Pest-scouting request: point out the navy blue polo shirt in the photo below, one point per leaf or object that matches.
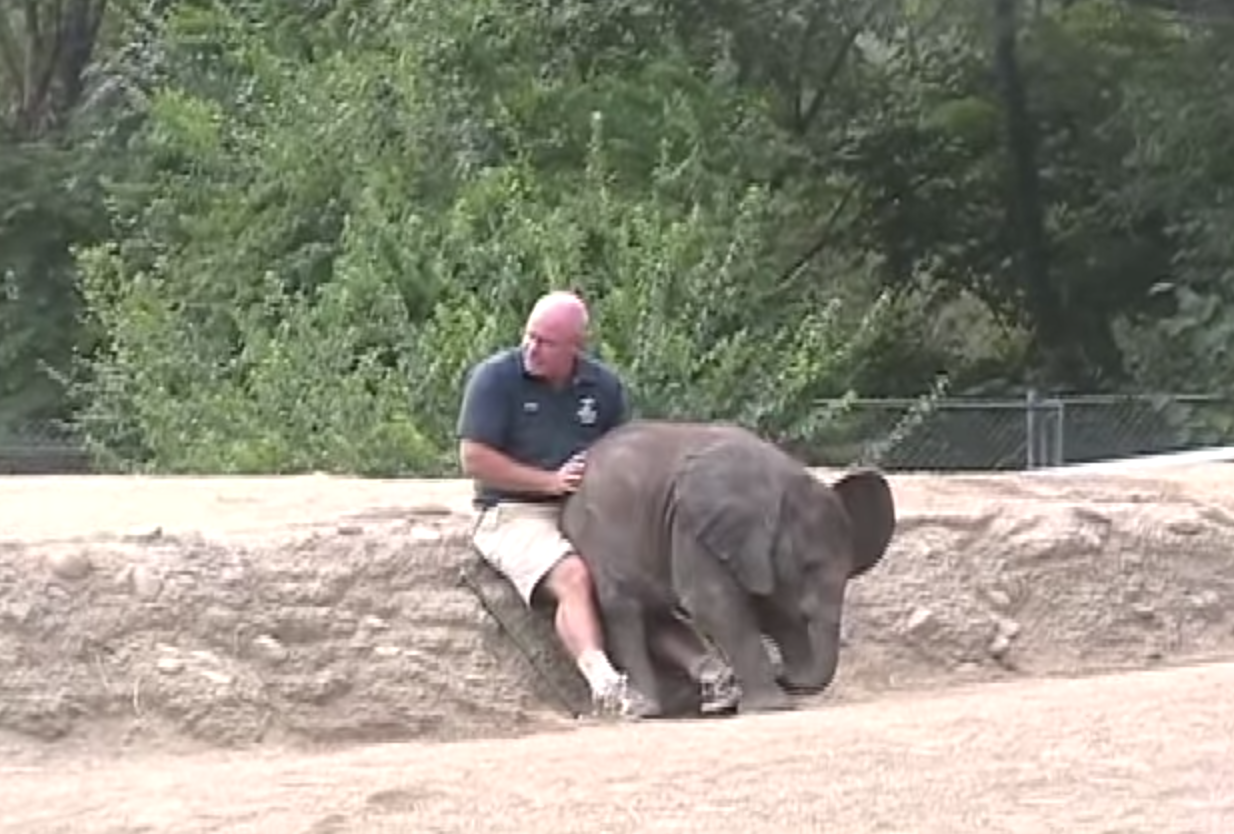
(533, 422)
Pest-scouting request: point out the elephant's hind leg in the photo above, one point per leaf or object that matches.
(627, 640)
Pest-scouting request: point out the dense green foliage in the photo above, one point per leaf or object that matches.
(240, 236)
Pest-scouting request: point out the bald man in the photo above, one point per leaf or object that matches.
(528, 415)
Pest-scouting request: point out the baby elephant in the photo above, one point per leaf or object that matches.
(715, 520)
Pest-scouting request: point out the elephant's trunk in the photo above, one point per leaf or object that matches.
(825, 648)
(810, 669)
(811, 649)
(806, 658)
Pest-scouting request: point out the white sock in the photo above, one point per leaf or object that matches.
(597, 670)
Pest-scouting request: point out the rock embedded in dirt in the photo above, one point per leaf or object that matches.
(422, 534)
(71, 564)
(846, 632)
(371, 622)
(999, 598)
(216, 677)
(999, 646)
(145, 582)
(1186, 527)
(269, 649)
(343, 625)
(17, 612)
(920, 622)
(1005, 632)
(432, 511)
(233, 576)
(317, 689)
(1007, 626)
(143, 535)
(303, 624)
(1207, 604)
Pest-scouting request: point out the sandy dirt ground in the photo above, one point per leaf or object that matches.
(298, 656)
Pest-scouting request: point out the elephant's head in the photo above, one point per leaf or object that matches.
(792, 541)
(830, 535)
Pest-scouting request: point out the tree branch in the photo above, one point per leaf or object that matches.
(45, 48)
(786, 280)
(9, 56)
(832, 71)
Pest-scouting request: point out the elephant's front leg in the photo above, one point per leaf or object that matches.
(676, 642)
(719, 605)
(626, 639)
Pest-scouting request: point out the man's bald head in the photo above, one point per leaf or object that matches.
(560, 310)
(555, 332)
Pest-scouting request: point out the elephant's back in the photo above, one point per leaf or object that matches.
(656, 447)
(617, 518)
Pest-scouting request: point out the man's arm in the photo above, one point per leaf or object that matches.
(486, 464)
(482, 427)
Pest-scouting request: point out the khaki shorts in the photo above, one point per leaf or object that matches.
(522, 542)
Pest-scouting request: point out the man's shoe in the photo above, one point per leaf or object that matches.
(621, 700)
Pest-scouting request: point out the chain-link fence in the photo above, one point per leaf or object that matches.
(40, 449)
(1010, 434)
(896, 434)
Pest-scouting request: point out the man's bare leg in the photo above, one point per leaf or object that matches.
(578, 627)
(578, 624)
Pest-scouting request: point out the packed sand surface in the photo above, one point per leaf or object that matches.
(218, 654)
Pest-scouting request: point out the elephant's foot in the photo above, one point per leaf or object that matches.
(796, 687)
(720, 693)
(639, 706)
(771, 699)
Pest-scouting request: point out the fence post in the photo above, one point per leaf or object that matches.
(1060, 435)
(1030, 428)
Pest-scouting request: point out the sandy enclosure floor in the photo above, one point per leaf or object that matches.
(1083, 755)
(297, 656)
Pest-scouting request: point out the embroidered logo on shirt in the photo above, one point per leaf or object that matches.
(587, 411)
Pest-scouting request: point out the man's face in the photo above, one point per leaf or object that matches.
(549, 349)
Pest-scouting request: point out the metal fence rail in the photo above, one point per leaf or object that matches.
(897, 434)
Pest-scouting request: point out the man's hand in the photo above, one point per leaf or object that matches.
(567, 478)
(494, 468)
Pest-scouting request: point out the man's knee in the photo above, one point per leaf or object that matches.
(568, 579)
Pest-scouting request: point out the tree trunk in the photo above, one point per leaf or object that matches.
(44, 52)
(1051, 345)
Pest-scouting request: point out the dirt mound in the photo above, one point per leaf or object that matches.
(363, 634)
(1044, 577)
(361, 630)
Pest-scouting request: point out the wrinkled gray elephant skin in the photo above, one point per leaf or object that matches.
(712, 519)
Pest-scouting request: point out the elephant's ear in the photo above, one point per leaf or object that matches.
(871, 509)
(729, 499)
